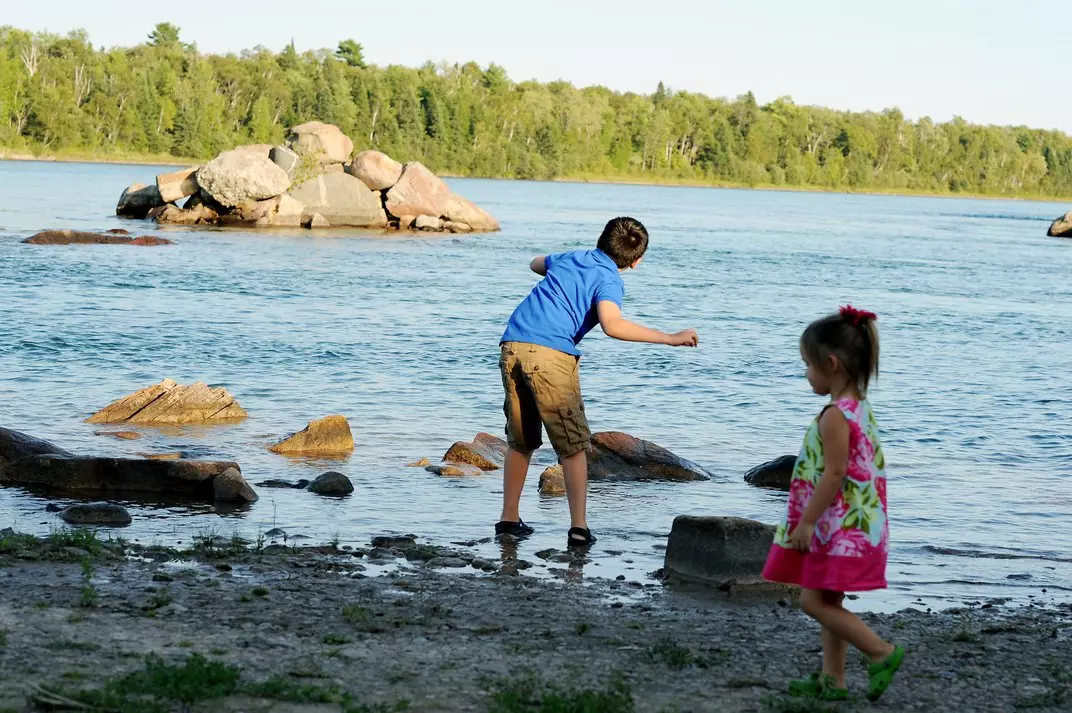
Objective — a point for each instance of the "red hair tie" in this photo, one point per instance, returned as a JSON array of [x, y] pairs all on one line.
[[856, 316]]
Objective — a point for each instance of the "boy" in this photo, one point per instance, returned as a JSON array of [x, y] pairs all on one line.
[[540, 361]]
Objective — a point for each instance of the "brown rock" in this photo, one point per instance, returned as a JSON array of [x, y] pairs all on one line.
[[324, 141], [75, 237], [117, 231], [485, 452], [175, 186], [453, 227], [328, 436], [230, 487], [121, 435], [460, 210], [774, 474], [376, 170], [169, 403], [1062, 227], [406, 222], [717, 551], [173, 455], [453, 470], [422, 463], [418, 192], [281, 211], [137, 200], [428, 223], [553, 481], [616, 456]]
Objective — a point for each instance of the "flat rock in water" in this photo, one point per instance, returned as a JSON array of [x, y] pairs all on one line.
[[75, 237], [105, 514], [340, 200], [616, 456], [236, 177], [486, 452], [121, 435], [330, 435], [376, 170], [169, 403], [454, 470], [418, 192], [400, 542], [717, 551], [421, 463], [331, 483], [1062, 227], [274, 483], [230, 487], [553, 481], [774, 474]]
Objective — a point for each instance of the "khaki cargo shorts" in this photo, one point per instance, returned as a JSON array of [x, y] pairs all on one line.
[[543, 387]]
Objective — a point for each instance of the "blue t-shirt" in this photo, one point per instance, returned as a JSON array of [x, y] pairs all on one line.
[[561, 309]]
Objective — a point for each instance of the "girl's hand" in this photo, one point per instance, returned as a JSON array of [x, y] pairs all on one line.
[[800, 539]]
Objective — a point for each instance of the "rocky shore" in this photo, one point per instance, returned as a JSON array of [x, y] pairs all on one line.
[[87, 624]]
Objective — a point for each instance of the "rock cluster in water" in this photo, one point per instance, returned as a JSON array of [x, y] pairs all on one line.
[[311, 181]]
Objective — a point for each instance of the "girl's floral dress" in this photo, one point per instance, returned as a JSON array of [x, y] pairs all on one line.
[[851, 541]]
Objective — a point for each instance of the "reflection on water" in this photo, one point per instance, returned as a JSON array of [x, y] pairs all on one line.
[[399, 335]]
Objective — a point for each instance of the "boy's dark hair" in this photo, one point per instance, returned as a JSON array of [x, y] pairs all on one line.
[[625, 240], [852, 336]]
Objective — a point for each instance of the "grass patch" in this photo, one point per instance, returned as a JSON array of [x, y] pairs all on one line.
[[674, 655], [336, 639], [3, 637], [259, 591], [782, 704], [87, 646], [530, 695], [583, 628], [280, 688], [965, 634], [79, 537]]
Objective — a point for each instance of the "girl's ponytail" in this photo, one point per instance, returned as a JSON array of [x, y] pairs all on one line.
[[852, 336]]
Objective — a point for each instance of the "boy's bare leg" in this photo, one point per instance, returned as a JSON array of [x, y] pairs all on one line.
[[575, 470], [514, 474]]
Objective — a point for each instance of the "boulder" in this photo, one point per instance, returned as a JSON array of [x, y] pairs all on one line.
[[315, 222], [324, 141], [406, 222], [485, 452], [615, 456], [278, 212], [175, 186], [454, 470], [418, 192], [15, 445], [376, 170], [75, 237], [197, 212], [1062, 227], [427, 222], [169, 403], [137, 200], [286, 159], [104, 514], [257, 149], [452, 227], [553, 481], [328, 436], [230, 487], [460, 210], [774, 474], [341, 200], [331, 483], [236, 177], [121, 435], [717, 551]]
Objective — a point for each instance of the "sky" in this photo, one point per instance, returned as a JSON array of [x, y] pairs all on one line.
[[989, 62]]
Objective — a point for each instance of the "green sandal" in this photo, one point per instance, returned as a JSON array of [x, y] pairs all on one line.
[[881, 673], [818, 685]]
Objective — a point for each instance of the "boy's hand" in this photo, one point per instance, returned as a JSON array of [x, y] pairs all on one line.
[[685, 338], [800, 538]]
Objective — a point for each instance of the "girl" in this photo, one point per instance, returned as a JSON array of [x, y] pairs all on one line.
[[835, 536]]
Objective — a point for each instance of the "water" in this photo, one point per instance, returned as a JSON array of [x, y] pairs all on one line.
[[399, 334]]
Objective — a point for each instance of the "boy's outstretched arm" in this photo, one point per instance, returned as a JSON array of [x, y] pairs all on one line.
[[539, 265], [618, 327]]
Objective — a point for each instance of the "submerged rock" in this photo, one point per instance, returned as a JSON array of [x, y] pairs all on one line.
[[121, 435], [76, 237], [616, 456], [553, 481], [717, 551], [169, 403], [330, 435], [486, 452], [1062, 227], [276, 483], [332, 483], [774, 474], [421, 463], [105, 514], [454, 470]]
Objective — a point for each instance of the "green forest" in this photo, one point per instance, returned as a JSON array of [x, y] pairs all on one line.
[[61, 96]]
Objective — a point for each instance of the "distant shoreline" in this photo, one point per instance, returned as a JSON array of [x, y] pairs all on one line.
[[167, 160]]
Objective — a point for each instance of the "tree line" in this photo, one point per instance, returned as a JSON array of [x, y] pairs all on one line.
[[60, 94]]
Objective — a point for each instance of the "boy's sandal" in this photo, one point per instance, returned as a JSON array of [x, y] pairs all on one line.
[[818, 685], [881, 673], [579, 537]]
